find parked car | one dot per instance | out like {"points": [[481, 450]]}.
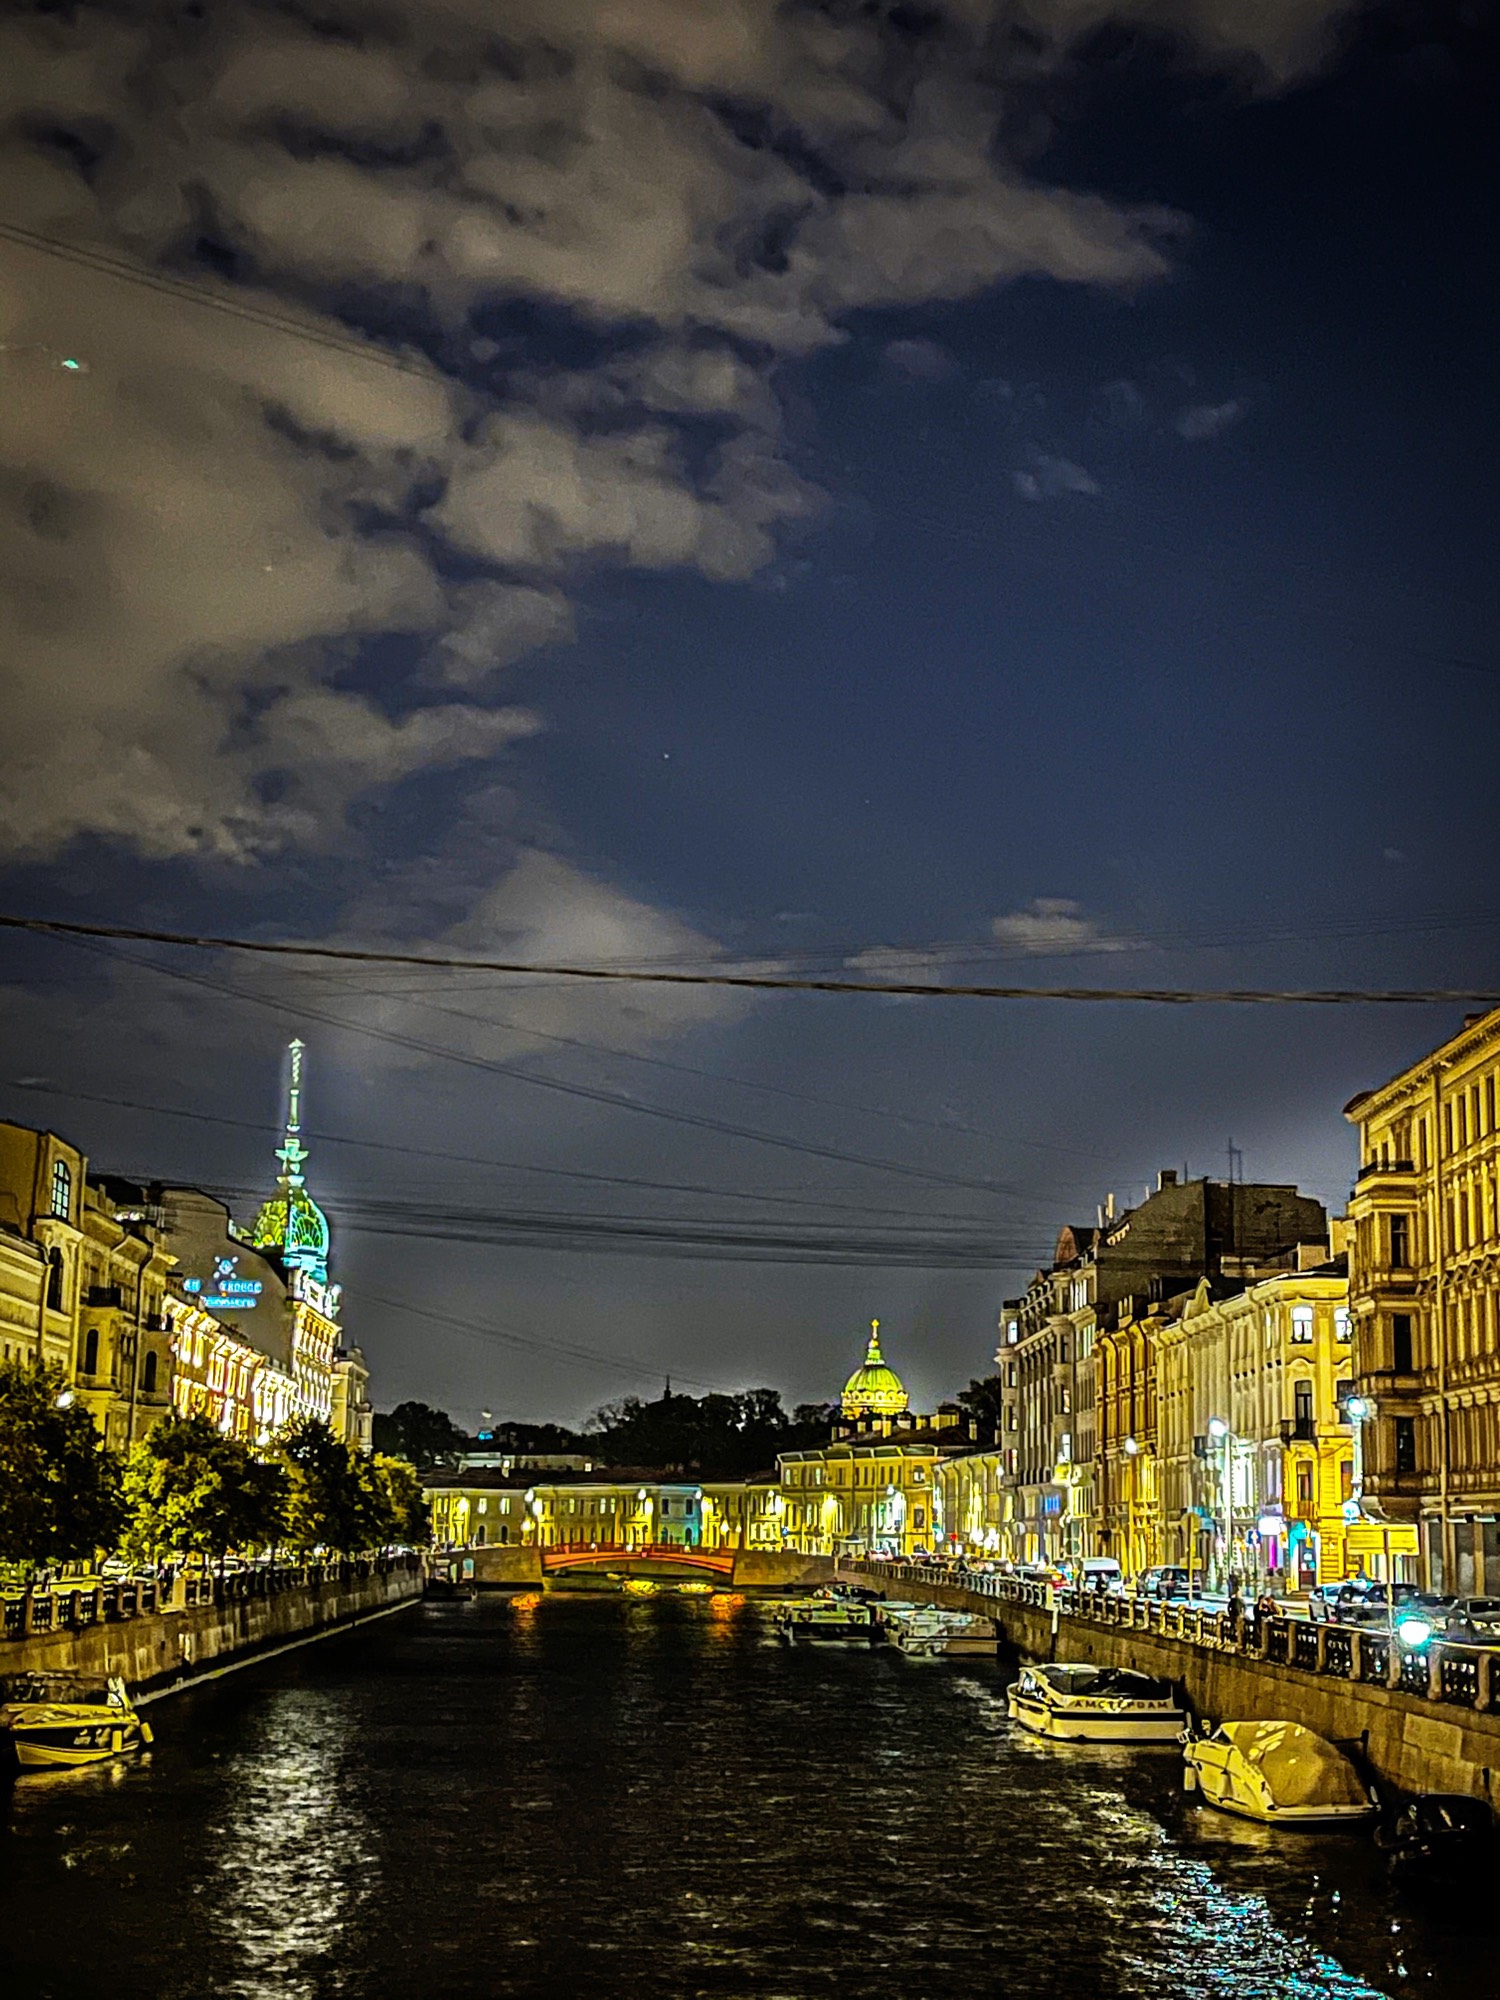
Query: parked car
{"points": [[1472, 1621], [1324, 1596], [1100, 1574], [1167, 1580], [1384, 1604], [1039, 1573]]}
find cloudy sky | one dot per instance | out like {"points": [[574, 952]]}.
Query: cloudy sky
{"points": [[966, 490]]}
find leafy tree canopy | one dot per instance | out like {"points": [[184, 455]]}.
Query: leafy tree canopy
{"points": [[714, 1436], [984, 1403], [60, 1489], [417, 1432], [193, 1491]]}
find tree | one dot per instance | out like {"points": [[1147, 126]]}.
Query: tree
{"points": [[409, 1515], [418, 1432], [984, 1402], [193, 1491], [339, 1499], [60, 1494], [715, 1436]]}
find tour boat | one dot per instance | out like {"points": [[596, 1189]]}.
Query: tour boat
{"points": [[1275, 1772], [1080, 1703], [59, 1719], [829, 1618], [923, 1631]]}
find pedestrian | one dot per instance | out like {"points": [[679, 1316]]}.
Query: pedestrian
{"points": [[1265, 1611], [1236, 1610]]}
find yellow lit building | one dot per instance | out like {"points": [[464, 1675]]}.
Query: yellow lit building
{"points": [[974, 1503], [1423, 1291], [82, 1283], [476, 1507], [1255, 1440], [1129, 1522]]}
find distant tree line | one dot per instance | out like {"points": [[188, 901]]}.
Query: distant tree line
{"points": [[186, 1489], [714, 1436]]}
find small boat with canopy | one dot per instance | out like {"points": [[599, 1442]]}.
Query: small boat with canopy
{"points": [[1078, 1702]]}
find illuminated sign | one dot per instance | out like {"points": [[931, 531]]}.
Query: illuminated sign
{"points": [[226, 1290]]}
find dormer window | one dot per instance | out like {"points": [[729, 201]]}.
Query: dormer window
{"points": [[62, 1190]]}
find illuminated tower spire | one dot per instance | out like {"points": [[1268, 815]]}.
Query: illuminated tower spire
{"points": [[291, 1223]]}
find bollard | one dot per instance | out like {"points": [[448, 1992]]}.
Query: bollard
{"points": [[1321, 1665], [1356, 1654]]}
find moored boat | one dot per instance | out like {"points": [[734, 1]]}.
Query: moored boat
{"points": [[830, 1619], [925, 1631], [55, 1720], [1276, 1772], [1077, 1702]]}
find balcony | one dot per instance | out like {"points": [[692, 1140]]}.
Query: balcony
{"points": [[1376, 1169], [100, 1297], [1298, 1430]]}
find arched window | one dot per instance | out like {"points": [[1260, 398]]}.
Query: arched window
{"points": [[91, 1351], [62, 1190], [148, 1376]]}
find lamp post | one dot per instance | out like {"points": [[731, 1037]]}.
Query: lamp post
{"points": [[1132, 1449], [1219, 1430]]}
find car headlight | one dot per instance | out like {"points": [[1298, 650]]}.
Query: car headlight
{"points": [[1414, 1633]]}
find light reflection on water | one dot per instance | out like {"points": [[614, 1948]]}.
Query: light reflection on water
{"points": [[601, 1798], [293, 1856]]}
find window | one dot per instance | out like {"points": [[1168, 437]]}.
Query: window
{"points": [[91, 1351], [1346, 1480], [148, 1376], [1302, 1326], [1304, 1491], [1065, 1449], [55, 1282], [1400, 1242], [1342, 1391], [62, 1190], [1406, 1444], [1341, 1325], [1303, 1393], [483, 1506], [1401, 1343]]}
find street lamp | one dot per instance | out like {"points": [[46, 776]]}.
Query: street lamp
{"points": [[1219, 1430]]}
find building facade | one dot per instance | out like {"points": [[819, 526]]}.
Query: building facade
{"points": [[1256, 1440], [1425, 1296], [1077, 1359], [973, 1501], [82, 1284]]}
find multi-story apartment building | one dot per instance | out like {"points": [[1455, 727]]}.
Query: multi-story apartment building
{"points": [[1077, 1358], [973, 1503], [82, 1283], [1255, 1437], [601, 1508], [1425, 1295]]}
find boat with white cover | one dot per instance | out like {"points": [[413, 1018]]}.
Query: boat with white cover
{"points": [[1276, 1772], [1078, 1702], [925, 1631]]}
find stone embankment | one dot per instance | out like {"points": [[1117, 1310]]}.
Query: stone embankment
{"points": [[159, 1646], [1425, 1722]]}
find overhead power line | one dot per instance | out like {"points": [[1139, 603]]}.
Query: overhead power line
{"points": [[111, 264], [1250, 996]]}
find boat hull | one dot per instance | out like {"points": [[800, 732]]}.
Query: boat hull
{"points": [[1217, 1788], [1085, 1725], [61, 1745]]}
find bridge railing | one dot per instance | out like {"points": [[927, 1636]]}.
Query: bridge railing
{"points": [[1443, 1671], [73, 1607]]}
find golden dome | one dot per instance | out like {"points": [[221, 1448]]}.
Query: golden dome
{"points": [[873, 1388]]}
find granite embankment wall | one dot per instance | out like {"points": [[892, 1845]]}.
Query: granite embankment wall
{"points": [[160, 1651], [1413, 1744]]}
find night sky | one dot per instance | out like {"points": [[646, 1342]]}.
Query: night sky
{"points": [[960, 491]]}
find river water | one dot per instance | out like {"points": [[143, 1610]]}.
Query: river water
{"points": [[596, 1798]]}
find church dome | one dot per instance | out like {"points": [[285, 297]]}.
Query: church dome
{"points": [[874, 1388], [293, 1224]]}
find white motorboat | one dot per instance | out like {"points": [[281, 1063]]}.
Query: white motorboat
{"points": [[1082, 1703], [1275, 1772], [924, 1631]]}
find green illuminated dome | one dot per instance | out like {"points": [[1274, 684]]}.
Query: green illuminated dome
{"points": [[874, 1388]]}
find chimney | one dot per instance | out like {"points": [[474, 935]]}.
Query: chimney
{"points": [[1166, 1178]]}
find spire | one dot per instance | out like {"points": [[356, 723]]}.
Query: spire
{"points": [[873, 1355], [291, 1152], [291, 1223]]}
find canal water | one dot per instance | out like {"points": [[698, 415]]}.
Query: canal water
{"points": [[596, 1798]]}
